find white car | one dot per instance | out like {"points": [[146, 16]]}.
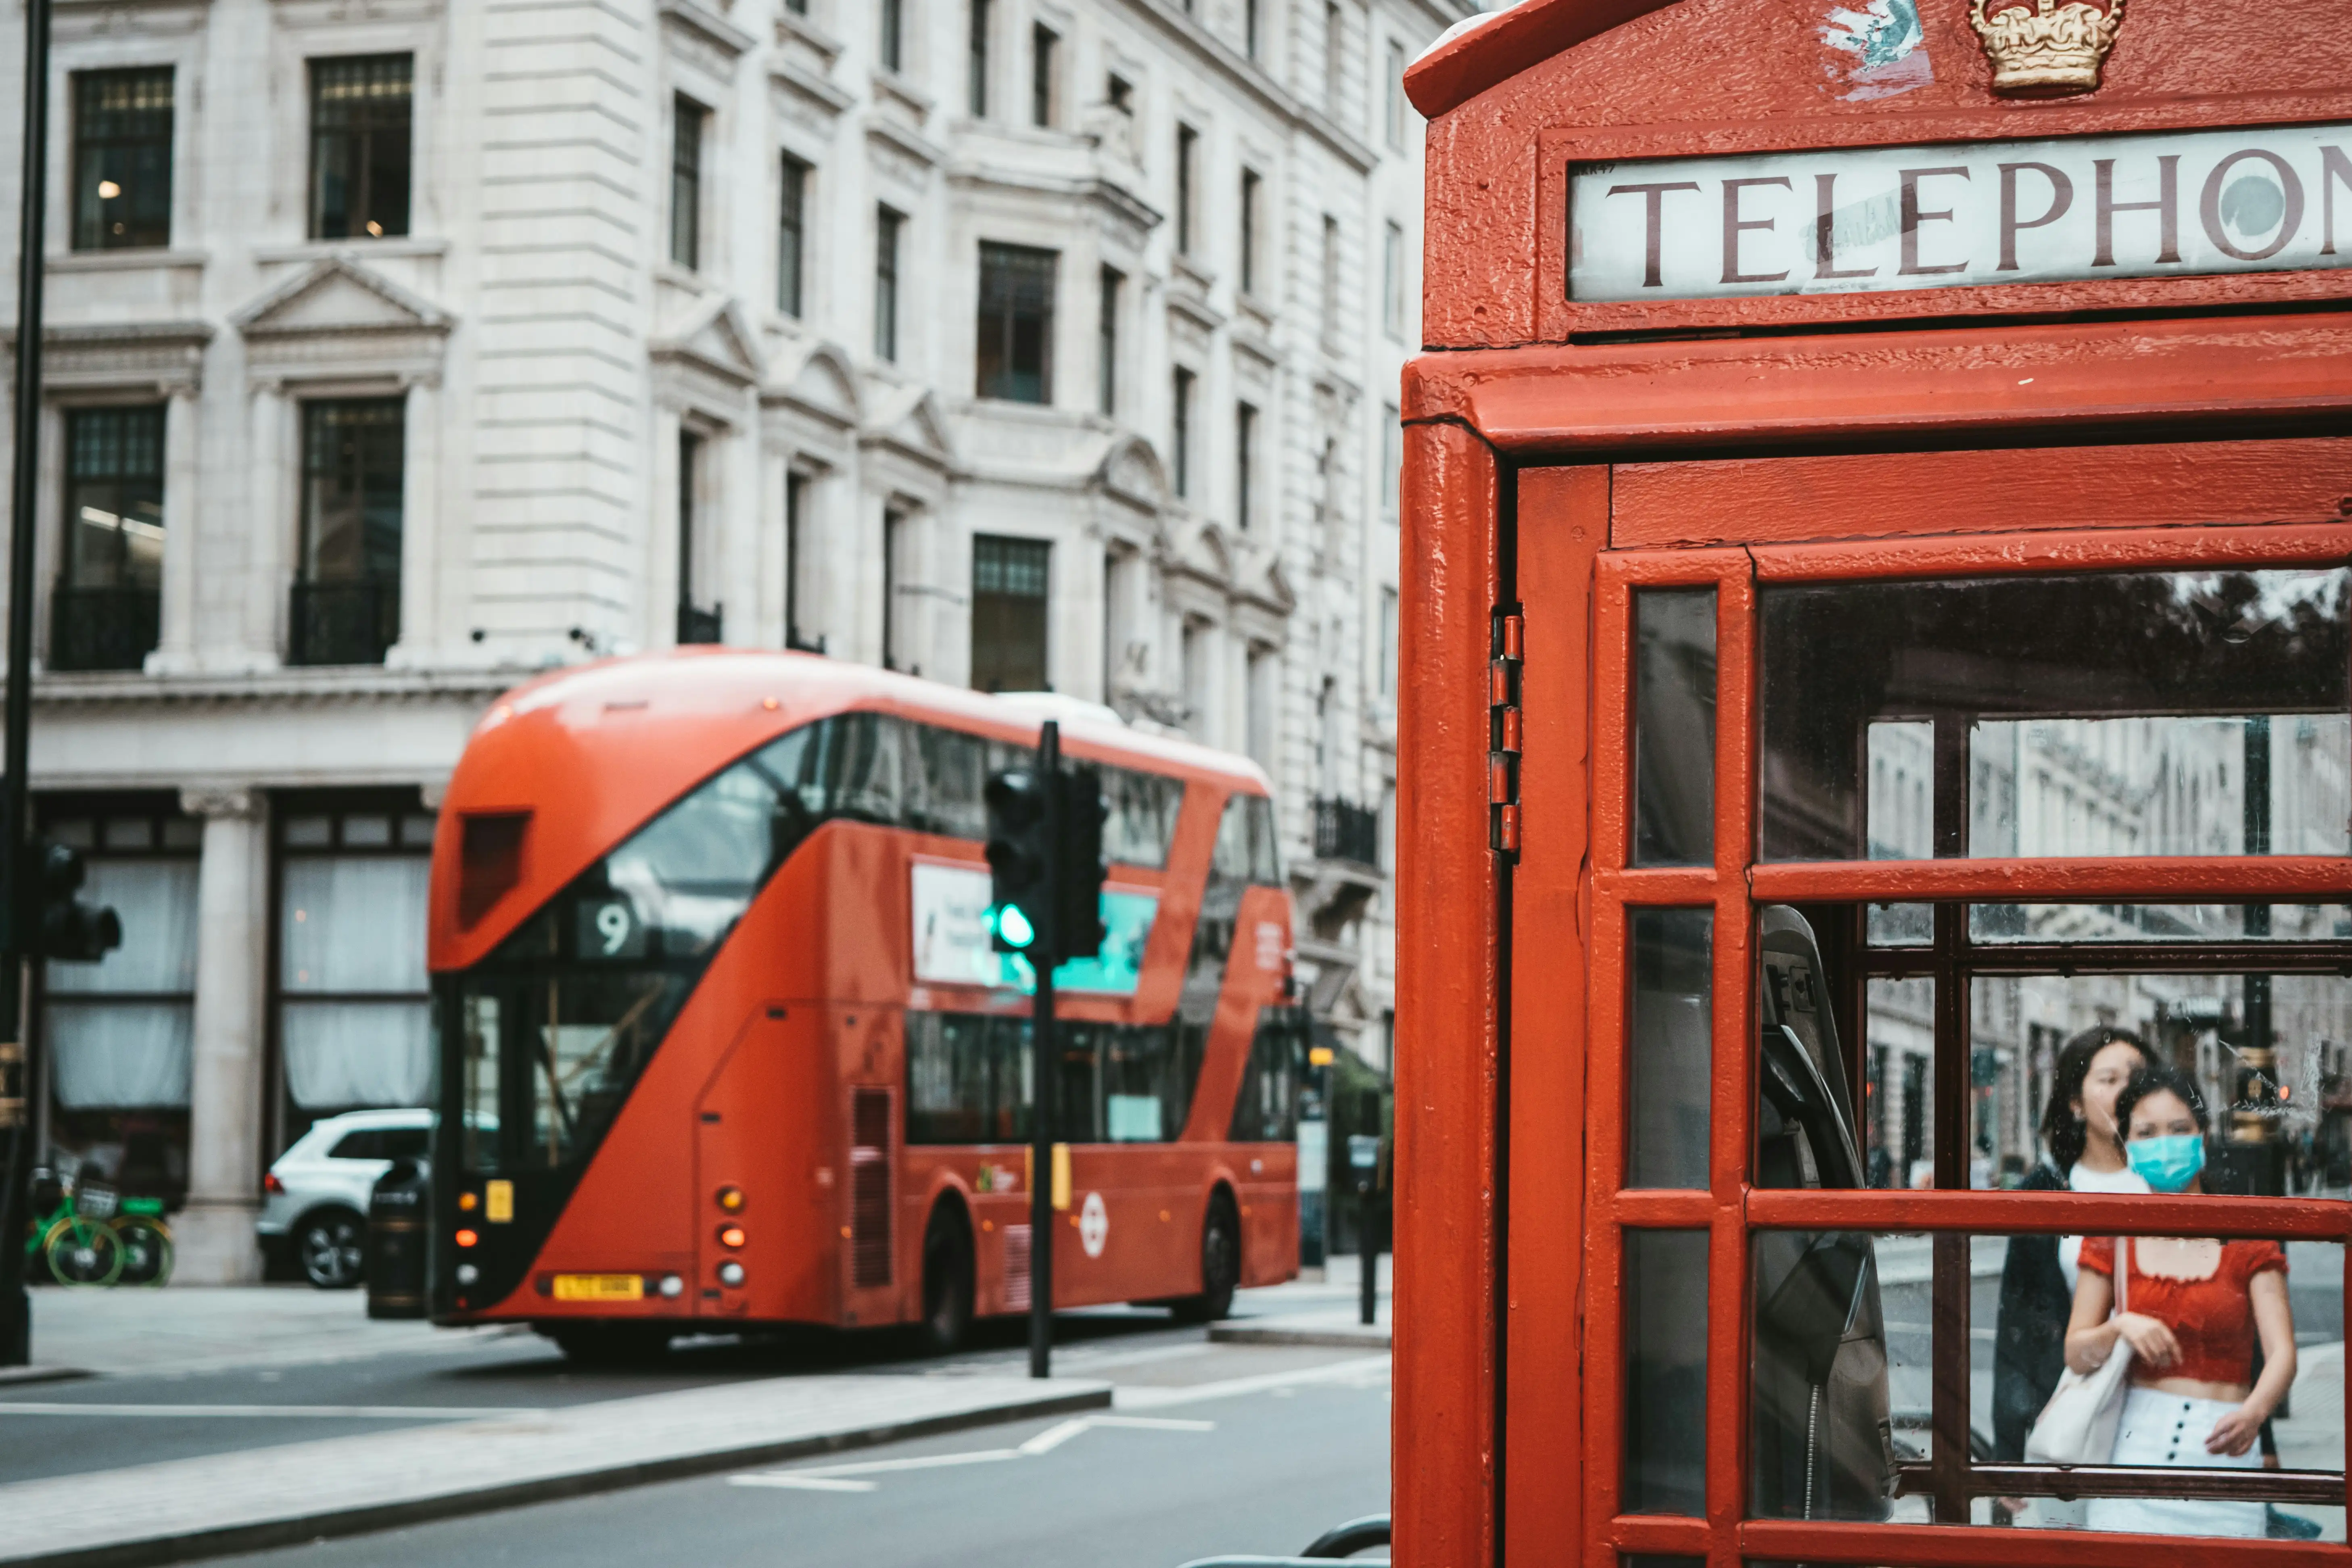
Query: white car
{"points": [[315, 1198]]}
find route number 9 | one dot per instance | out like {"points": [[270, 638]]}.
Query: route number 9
{"points": [[613, 927]]}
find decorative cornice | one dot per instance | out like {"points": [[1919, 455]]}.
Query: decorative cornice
{"points": [[706, 25], [291, 688], [244, 803]]}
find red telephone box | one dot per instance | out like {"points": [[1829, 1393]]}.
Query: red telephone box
{"points": [[1879, 493]]}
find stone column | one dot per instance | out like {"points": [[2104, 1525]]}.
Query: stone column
{"points": [[275, 477], [214, 1232], [175, 650]]}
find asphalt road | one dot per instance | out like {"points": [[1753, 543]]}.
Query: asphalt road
{"points": [[1259, 1469]]}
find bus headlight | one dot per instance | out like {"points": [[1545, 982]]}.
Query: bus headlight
{"points": [[468, 1274], [672, 1286], [730, 1273]]}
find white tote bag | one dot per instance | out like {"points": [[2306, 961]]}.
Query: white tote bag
{"points": [[2078, 1425]]}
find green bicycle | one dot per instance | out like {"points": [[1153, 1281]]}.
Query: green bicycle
{"points": [[94, 1237]]}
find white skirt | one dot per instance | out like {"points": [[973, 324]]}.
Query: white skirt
{"points": [[2168, 1429]]}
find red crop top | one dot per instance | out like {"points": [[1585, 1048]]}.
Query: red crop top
{"points": [[2212, 1319]]}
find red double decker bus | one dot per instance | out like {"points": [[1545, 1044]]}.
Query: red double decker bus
{"points": [[723, 1042]]}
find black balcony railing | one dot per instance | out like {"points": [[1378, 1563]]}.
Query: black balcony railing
{"points": [[102, 629], [343, 623], [1346, 831], [696, 625]]}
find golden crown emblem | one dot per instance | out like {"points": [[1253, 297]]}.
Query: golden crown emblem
{"points": [[2050, 50]]}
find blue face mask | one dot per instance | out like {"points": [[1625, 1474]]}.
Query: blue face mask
{"points": [[2168, 1164]]}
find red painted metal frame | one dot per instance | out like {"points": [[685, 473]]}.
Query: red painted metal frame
{"points": [[1730, 1209]]}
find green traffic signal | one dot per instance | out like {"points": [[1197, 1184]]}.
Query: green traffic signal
{"points": [[1013, 928]]}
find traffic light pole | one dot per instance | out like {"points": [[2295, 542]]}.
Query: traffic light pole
{"points": [[18, 1085], [1047, 949]]}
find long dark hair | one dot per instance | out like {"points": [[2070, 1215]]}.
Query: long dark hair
{"points": [[2065, 1132], [2159, 1078]]}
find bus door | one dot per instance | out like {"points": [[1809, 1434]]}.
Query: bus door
{"points": [[1888, 843]]}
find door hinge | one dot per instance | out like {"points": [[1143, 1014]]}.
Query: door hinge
{"points": [[1503, 719]]}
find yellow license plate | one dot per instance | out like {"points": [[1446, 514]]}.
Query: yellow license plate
{"points": [[600, 1287]]}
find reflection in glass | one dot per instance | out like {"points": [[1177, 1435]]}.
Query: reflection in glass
{"points": [[1669, 1071], [1665, 1372], [1674, 727], [2268, 1051], [1821, 1441], [1902, 925], [1901, 824], [1997, 923], [2117, 713], [1899, 1092]]}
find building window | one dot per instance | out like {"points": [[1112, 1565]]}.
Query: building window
{"points": [[1192, 658], [1182, 421], [1392, 280], [792, 236], [1396, 102], [123, 159], [360, 146], [1009, 580], [797, 7], [695, 624], [1107, 342], [1244, 458], [1334, 56], [894, 35], [1330, 279], [795, 513], [1388, 642], [104, 613], [1188, 154], [354, 1025], [346, 607], [886, 225], [1250, 187], [1016, 324], [1119, 93], [118, 1034], [1044, 50], [977, 86], [895, 529], [1392, 460], [685, 182], [1249, 28]]}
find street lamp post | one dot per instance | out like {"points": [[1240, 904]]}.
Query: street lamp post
{"points": [[19, 1083]]}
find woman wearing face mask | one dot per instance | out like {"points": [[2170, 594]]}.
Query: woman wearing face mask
{"points": [[2037, 1282], [2194, 1310]]}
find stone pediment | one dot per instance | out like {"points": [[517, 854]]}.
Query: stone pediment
{"points": [[1131, 470], [824, 384], [712, 336], [909, 419], [337, 295], [1274, 589]]}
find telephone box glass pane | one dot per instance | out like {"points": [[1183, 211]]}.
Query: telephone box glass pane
{"points": [[1847, 1330], [2002, 924], [1665, 1372], [2092, 714], [2268, 1052], [1668, 1077], [1898, 1130], [1674, 727]]}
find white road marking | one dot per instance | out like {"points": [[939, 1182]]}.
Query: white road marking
{"points": [[266, 1412], [1362, 1372], [838, 1477]]}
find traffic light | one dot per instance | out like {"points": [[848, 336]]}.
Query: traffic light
{"points": [[70, 929], [1017, 894], [1079, 814]]}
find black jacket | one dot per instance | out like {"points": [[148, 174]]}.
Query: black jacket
{"points": [[2029, 1350]]}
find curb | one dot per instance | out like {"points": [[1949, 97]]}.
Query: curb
{"points": [[1341, 1336], [12, 1376], [294, 1528]]}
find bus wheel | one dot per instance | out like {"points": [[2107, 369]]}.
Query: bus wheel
{"points": [[1221, 1264], [610, 1344], [946, 1280]]}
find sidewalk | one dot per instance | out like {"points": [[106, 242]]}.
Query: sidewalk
{"points": [[212, 1328], [1312, 1312], [257, 1498]]}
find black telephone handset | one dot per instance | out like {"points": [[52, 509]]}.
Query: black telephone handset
{"points": [[1822, 1445]]}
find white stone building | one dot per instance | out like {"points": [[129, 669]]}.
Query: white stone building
{"points": [[397, 349]]}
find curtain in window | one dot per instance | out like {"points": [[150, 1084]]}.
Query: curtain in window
{"points": [[349, 926], [107, 1050], [341, 1054]]}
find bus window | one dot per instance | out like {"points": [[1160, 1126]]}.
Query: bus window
{"points": [[1266, 1109], [1142, 822], [2097, 713], [1147, 1094], [947, 770], [1246, 850], [967, 1077]]}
